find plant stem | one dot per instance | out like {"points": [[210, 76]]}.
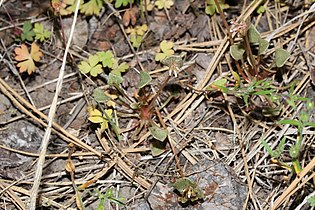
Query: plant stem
{"points": [[250, 54], [226, 25]]}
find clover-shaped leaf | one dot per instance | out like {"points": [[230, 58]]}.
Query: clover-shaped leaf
{"points": [[118, 69], [145, 79], [27, 59], [211, 7], [120, 3], [28, 32], [107, 58], [237, 51], [91, 66], [96, 116], [166, 48], [41, 33], [158, 133], [92, 7], [164, 4], [281, 56]]}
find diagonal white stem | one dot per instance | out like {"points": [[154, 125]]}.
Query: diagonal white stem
{"points": [[51, 115]]}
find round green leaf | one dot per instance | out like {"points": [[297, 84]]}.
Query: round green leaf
{"points": [[263, 46], [145, 79], [281, 56], [158, 133], [237, 51], [99, 95], [253, 34], [157, 148], [114, 79]]}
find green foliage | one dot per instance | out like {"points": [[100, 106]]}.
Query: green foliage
{"points": [[28, 33], [311, 200], [211, 8], [166, 48], [188, 190], [277, 152], [118, 69], [40, 32], [281, 56], [145, 79], [114, 79], [91, 66], [124, 3], [164, 4], [108, 195], [92, 7], [158, 133], [136, 34], [218, 84], [261, 9], [107, 58], [99, 95], [237, 51]]}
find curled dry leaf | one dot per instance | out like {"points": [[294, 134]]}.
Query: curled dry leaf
{"points": [[27, 59]]}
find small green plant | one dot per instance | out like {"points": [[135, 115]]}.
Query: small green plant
{"points": [[311, 200], [92, 7], [41, 33], [188, 190], [302, 121], [164, 4], [120, 3], [108, 195], [211, 8], [252, 42], [166, 50], [28, 33], [38, 32], [136, 34]]}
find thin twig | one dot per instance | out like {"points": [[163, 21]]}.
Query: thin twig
{"points": [[51, 115]]}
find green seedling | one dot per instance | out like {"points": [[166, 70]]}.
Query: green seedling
{"points": [[41, 33], [164, 4], [91, 66], [124, 3], [311, 200], [166, 50], [136, 34], [92, 7], [28, 33], [118, 69], [211, 8], [260, 9], [188, 190], [96, 116], [252, 42], [145, 79], [107, 58], [108, 195]]}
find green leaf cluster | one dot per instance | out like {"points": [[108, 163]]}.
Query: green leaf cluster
{"points": [[120, 3], [166, 50], [211, 7], [38, 32], [237, 50], [96, 63], [188, 190]]}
